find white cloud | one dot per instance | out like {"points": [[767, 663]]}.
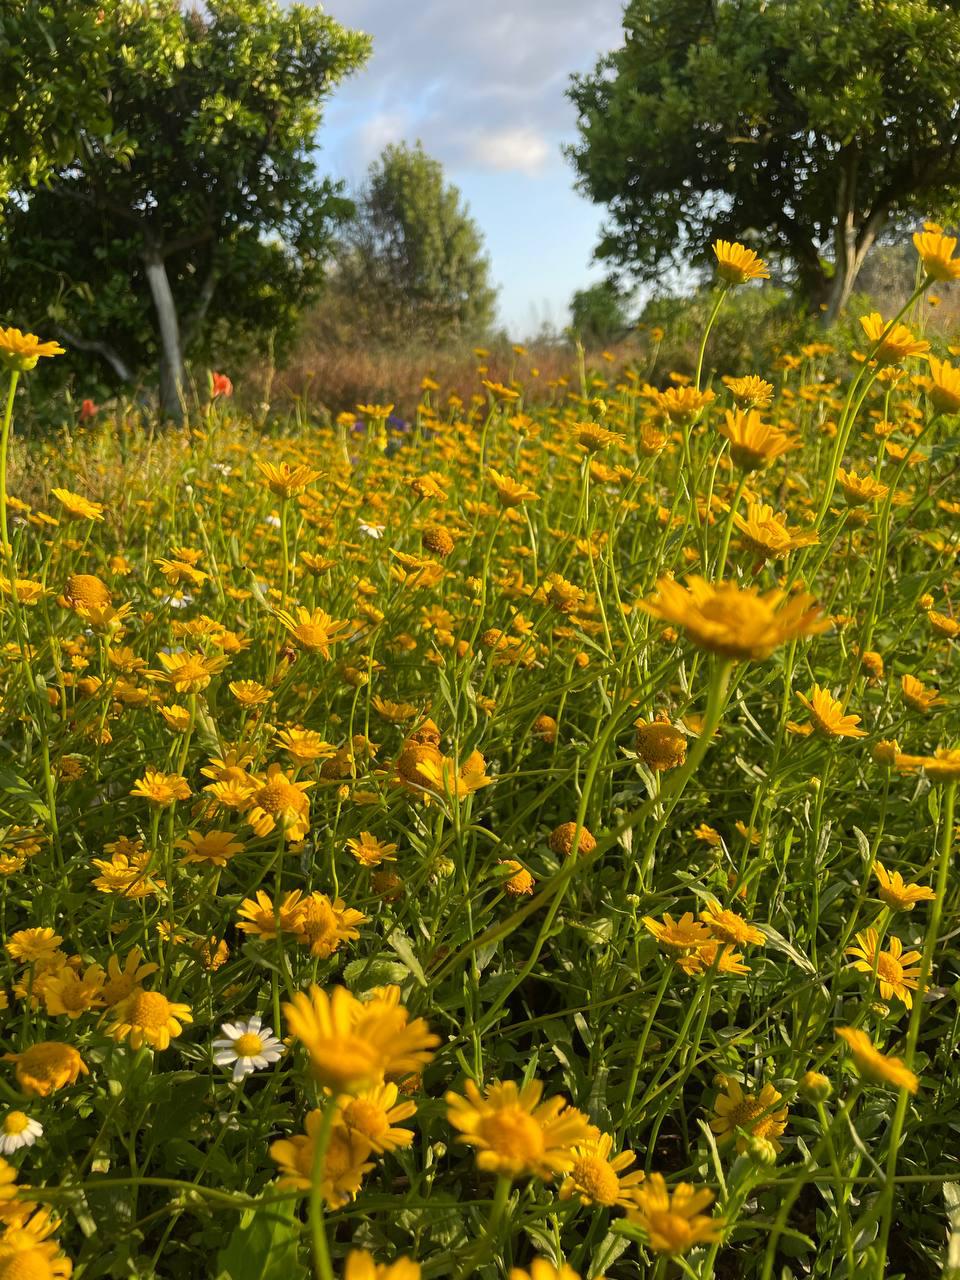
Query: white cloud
{"points": [[378, 132], [481, 85], [510, 150]]}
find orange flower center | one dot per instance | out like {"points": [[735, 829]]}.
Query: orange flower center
{"points": [[15, 1122], [366, 1117], [889, 968], [150, 1010], [278, 796], [513, 1133], [248, 1045], [597, 1180]]}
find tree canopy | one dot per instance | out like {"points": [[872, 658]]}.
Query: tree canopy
{"points": [[211, 216], [53, 62], [808, 126], [599, 313], [411, 263]]}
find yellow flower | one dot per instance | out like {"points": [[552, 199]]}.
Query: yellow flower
{"points": [[19, 352], [766, 535], [758, 1115], [592, 437], [659, 745], [936, 253], [372, 1114], [215, 848], [683, 404], [161, 789], [736, 622], [673, 1220], [187, 672], [511, 493], [370, 852], [828, 716], [46, 1067], [260, 917], [737, 264], [77, 507], [249, 693], [127, 875], [148, 1017], [893, 976], [519, 881], [917, 696], [313, 630], [727, 926], [896, 893], [894, 342], [678, 936], [361, 1266], [750, 392], [354, 1044], [859, 490], [944, 385], [598, 1179], [874, 1065], [345, 1161], [72, 994], [286, 481], [942, 766], [562, 838], [443, 776], [277, 801], [514, 1132], [28, 591], [304, 745], [121, 981], [754, 444], [325, 924], [943, 625], [542, 1269], [31, 945]]}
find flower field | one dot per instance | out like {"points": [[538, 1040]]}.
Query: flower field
{"points": [[515, 843]]}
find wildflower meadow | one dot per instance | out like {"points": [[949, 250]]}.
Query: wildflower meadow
{"points": [[516, 840]]}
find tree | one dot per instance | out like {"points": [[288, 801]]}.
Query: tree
{"points": [[53, 60], [213, 215], [599, 313], [808, 126], [411, 262]]}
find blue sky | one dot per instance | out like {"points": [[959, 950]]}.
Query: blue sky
{"points": [[481, 84]]}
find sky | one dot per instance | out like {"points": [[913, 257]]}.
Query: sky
{"points": [[481, 84]]}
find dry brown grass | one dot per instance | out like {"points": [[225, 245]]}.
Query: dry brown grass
{"points": [[338, 379]]}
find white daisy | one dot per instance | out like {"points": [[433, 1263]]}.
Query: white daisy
{"points": [[248, 1046], [18, 1130], [371, 530]]}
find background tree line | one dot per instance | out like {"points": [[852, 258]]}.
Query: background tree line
{"points": [[161, 199]]}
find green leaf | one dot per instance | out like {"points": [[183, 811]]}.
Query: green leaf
{"points": [[15, 788], [263, 1246]]}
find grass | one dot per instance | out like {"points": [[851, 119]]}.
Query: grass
{"points": [[525, 700]]}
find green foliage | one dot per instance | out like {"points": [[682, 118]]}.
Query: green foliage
{"points": [[53, 57], [753, 328], [599, 313], [411, 263], [217, 187], [807, 126]]}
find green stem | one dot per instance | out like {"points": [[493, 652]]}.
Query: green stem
{"points": [[913, 1031], [322, 1267], [721, 564], [4, 449]]}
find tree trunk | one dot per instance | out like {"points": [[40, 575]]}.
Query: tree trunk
{"points": [[172, 402]]}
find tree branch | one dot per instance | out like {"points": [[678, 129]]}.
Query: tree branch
{"points": [[100, 348]]}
